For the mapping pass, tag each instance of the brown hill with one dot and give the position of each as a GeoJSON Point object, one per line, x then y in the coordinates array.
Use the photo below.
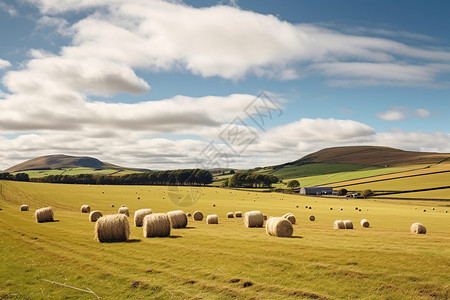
{"type": "Point", "coordinates": [61, 161]}
{"type": "Point", "coordinates": [372, 156]}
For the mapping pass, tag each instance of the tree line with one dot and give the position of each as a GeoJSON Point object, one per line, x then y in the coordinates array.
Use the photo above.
{"type": "Point", "coordinates": [249, 179]}
{"type": "Point", "coordinates": [14, 177]}
{"type": "Point", "coordinates": [171, 177]}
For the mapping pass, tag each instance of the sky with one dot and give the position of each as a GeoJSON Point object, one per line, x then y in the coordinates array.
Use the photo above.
{"type": "Point", "coordinates": [204, 84]}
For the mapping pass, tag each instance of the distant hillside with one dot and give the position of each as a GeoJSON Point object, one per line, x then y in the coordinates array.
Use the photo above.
{"type": "Point", "coordinates": [61, 161]}
{"type": "Point", "coordinates": [369, 156]}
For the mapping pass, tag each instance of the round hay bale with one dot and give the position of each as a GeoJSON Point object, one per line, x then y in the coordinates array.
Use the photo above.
{"type": "Point", "coordinates": [85, 209]}
{"type": "Point", "coordinates": [230, 215]}
{"type": "Point", "coordinates": [212, 219]}
{"type": "Point", "coordinates": [178, 219]}
{"type": "Point", "coordinates": [418, 228]}
{"type": "Point", "coordinates": [359, 209]}
{"type": "Point", "coordinates": [122, 206]}
{"type": "Point", "coordinates": [331, 208]}
{"type": "Point", "coordinates": [356, 208]}
{"type": "Point", "coordinates": [188, 215]}
{"type": "Point", "coordinates": [124, 210]}
{"type": "Point", "coordinates": [24, 207]}
{"type": "Point", "coordinates": [339, 224]}
{"type": "Point", "coordinates": [95, 215]}
{"type": "Point", "coordinates": [290, 217]}
{"type": "Point", "coordinates": [348, 224]}
{"type": "Point", "coordinates": [265, 217]}
{"type": "Point", "coordinates": [112, 228]}
{"type": "Point", "coordinates": [156, 225]}
{"type": "Point", "coordinates": [446, 211]}
{"type": "Point", "coordinates": [279, 226]}
{"type": "Point", "coordinates": [253, 219]}
{"type": "Point", "coordinates": [112, 205]}
{"type": "Point", "coordinates": [139, 216]}
{"type": "Point", "coordinates": [309, 207]}
{"type": "Point", "coordinates": [198, 216]}
{"type": "Point", "coordinates": [312, 218]}
{"type": "Point", "coordinates": [306, 206]}
{"type": "Point", "coordinates": [342, 208]}
{"type": "Point", "coordinates": [432, 208]}
{"type": "Point", "coordinates": [44, 215]}
{"type": "Point", "coordinates": [365, 223]}
{"type": "Point", "coordinates": [238, 214]}
{"type": "Point", "coordinates": [424, 210]}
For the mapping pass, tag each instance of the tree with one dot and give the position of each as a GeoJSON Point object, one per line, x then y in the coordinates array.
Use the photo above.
{"type": "Point", "coordinates": [342, 192]}
{"type": "Point", "coordinates": [232, 172]}
{"type": "Point", "coordinates": [293, 184]}
{"type": "Point", "coordinates": [366, 193]}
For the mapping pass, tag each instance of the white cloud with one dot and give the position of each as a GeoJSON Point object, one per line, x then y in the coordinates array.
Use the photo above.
{"type": "Point", "coordinates": [4, 64]}
{"type": "Point", "coordinates": [8, 9]}
{"type": "Point", "coordinates": [400, 113]}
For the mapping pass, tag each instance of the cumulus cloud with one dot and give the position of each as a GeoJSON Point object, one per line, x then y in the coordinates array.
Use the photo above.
{"type": "Point", "coordinates": [400, 113]}
{"type": "Point", "coordinates": [4, 64]}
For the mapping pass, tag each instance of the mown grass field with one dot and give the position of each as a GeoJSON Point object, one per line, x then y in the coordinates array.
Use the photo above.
{"type": "Point", "coordinates": [225, 260]}
{"type": "Point", "coordinates": [76, 171]}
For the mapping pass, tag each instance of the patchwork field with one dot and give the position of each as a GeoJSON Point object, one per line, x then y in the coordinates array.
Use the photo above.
{"type": "Point", "coordinates": [225, 260]}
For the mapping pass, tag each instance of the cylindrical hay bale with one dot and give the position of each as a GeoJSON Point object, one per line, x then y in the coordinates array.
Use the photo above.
{"type": "Point", "coordinates": [95, 215]}
{"type": "Point", "coordinates": [24, 207]}
{"type": "Point", "coordinates": [198, 216]}
{"type": "Point", "coordinates": [124, 210]}
{"type": "Point", "coordinates": [365, 223]}
{"type": "Point", "coordinates": [265, 217]}
{"type": "Point", "coordinates": [139, 216]}
{"type": "Point", "coordinates": [177, 218]}
{"type": "Point", "coordinates": [44, 215]}
{"type": "Point", "coordinates": [156, 225]}
{"type": "Point", "coordinates": [312, 218]}
{"type": "Point", "coordinates": [112, 228]}
{"type": "Point", "coordinates": [212, 219]}
{"type": "Point", "coordinates": [85, 209]}
{"type": "Point", "coordinates": [348, 224]}
{"type": "Point", "coordinates": [112, 205]}
{"type": "Point", "coordinates": [238, 214]}
{"type": "Point", "coordinates": [290, 217]}
{"type": "Point", "coordinates": [230, 215]}
{"type": "Point", "coordinates": [188, 215]}
{"type": "Point", "coordinates": [253, 219]}
{"type": "Point", "coordinates": [339, 224]}
{"type": "Point", "coordinates": [279, 226]}
{"type": "Point", "coordinates": [418, 228]}
{"type": "Point", "coordinates": [331, 208]}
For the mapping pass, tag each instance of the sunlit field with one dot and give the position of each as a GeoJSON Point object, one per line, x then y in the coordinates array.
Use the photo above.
{"type": "Point", "coordinates": [226, 260]}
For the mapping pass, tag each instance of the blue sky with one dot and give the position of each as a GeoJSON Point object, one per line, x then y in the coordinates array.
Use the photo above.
{"type": "Point", "coordinates": [155, 84]}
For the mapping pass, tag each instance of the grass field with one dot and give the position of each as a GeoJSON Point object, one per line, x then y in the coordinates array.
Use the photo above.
{"type": "Point", "coordinates": [76, 171]}
{"type": "Point", "coordinates": [225, 260]}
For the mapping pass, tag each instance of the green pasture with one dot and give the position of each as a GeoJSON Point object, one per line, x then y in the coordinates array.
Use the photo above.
{"type": "Point", "coordinates": [221, 261]}
{"type": "Point", "coordinates": [76, 171]}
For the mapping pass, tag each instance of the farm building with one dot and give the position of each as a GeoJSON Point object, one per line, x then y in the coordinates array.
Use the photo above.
{"type": "Point", "coordinates": [316, 190]}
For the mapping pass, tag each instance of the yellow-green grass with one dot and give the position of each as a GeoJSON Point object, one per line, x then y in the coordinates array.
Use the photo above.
{"type": "Point", "coordinates": [408, 183]}
{"type": "Point", "coordinates": [76, 171]}
{"type": "Point", "coordinates": [216, 261]}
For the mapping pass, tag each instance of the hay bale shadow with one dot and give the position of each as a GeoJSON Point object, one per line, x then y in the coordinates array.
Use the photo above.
{"type": "Point", "coordinates": [133, 241]}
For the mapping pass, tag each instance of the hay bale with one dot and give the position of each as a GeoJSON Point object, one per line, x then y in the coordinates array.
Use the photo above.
{"type": "Point", "coordinates": [365, 223]}
{"type": "Point", "coordinates": [198, 216]}
{"type": "Point", "coordinates": [230, 215]}
{"type": "Point", "coordinates": [432, 208]}
{"type": "Point", "coordinates": [312, 218]}
{"type": "Point", "coordinates": [188, 215]}
{"type": "Point", "coordinates": [279, 226]}
{"type": "Point", "coordinates": [253, 219]}
{"type": "Point", "coordinates": [424, 210]}
{"type": "Point", "coordinates": [124, 210]}
{"type": "Point", "coordinates": [112, 228]}
{"type": "Point", "coordinates": [348, 224]}
{"type": "Point", "coordinates": [178, 219]}
{"type": "Point", "coordinates": [122, 205]}
{"type": "Point", "coordinates": [44, 215]}
{"type": "Point", "coordinates": [212, 219]}
{"type": "Point", "coordinates": [112, 205]}
{"type": "Point", "coordinates": [446, 211]}
{"type": "Point", "coordinates": [139, 216]}
{"type": "Point", "coordinates": [290, 217]}
{"type": "Point", "coordinates": [24, 207]}
{"type": "Point", "coordinates": [309, 207]}
{"type": "Point", "coordinates": [85, 209]}
{"type": "Point", "coordinates": [95, 215]}
{"type": "Point", "coordinates": [331, 208]}
{"type": "Point", "coordinates": [265, 217]}
{"type": "Point", "coordinates": [339, 224]}
{"type": "Point", "coordinates": [238, 214]}
{"type": "Point", "coordinates": [156, 225]}
{"type": "Point", "coordinates": [356, 208]}
{"type": "Point", "coordinates": [418, 228]}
